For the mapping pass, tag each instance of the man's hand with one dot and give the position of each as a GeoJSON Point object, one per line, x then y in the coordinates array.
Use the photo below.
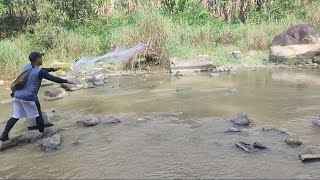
{"type": "Point", "coordinates": [56, 69]}
{"type": "Point", "coordinates": [71, 82]}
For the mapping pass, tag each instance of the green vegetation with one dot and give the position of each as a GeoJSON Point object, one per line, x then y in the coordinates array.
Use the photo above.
{"type": "Point", "coordinates": [68, 30]}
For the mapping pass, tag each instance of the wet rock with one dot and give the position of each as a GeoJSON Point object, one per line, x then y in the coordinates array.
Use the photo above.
{"type": "Point", "coordinates": [316, 121]}
{"type": "Point", "coordinates": [45, 82]}
{"type": "Point", "coordinates": [51, 143]}
{"type": "Point", "coordinates": [75, 143]}
{"type": "Point", "coordinates": [178, 73]}
{"type": "Point", "coordinates": [274, 130]}
{"type": "Point", "coordinates": [97, 79]}
{"type": "Point", "coordinates": [257, 145]}
{"type": "Point", "coordinates": [309, 157]}
{"type": "Point", "coordinates": [55, 94]}
{"type": "Point", "coordinates": [111, 120]}
{"type": "Point", "coordinates": [142, 119]}
{"type": "Point", "coordinates": [241, 119]}
{"type": "Point", "coordinates": [72, 87]}
{"type": "Point", "coordinates": [26, 138]}
{"type": "Point", "coordinates": [244, 146]}
{"type": "Point", "coordinates": [293, 142]}
{"type": "Point", "coordinates": [215, 74]}
{"type": "Point", "coordinates": [232, 130]}
{"type": "Point", "coordinates": [88, 85]}
{"type": "Point", "coordinates": [46, 115]}
{"type": "Point", "coordinates": [90, 120]}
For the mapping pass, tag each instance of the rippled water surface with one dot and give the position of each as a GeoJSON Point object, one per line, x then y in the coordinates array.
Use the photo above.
{"type": "Point", "coordinates": [184, 134]}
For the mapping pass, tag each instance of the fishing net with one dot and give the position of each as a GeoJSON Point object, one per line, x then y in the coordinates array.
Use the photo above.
{"type": "Point", "coordinates": [117, 55]}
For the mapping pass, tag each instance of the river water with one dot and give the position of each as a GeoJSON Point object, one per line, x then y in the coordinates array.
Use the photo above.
{"type": "Point", "coordinates": [183, 136]}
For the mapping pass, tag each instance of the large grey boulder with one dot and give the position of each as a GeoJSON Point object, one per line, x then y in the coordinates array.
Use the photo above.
{"type": "Point", "coordinates": [299, 42]}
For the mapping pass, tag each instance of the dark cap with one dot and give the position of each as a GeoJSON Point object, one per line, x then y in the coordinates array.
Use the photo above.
{"type": "Point", "coordinates": [34, 55]}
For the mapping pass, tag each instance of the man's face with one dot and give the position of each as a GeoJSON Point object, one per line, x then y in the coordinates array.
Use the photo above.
{"type": "Point", "coordinates": [39, 61]}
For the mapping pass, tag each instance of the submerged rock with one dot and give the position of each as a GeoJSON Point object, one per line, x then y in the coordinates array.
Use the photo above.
{"type": "Point", "coordinates": [244, 146]}
{"type": "Point", "coordinates": [241, 119]}
{"type": "Point", "coordinates": [175, 114]}
{"type": "Point", "coordinates": [316, 121]}
{"type": "Point", "coordinates": [90, 120]}
{"type": "Point", "coordinates": [51, 143]}
{"type": "Point", "coordinates": [142, 119]}
{"type": "Point", "coordinates": [75, 143]}
{"type": "Point", "coordinates": [293, 142]}
{"type": "Point", "coordinates": [232, 130]}
{"type": "Point", "coordinates": [274, 130]}
{"type": "Point", "coordinates": [110, 120]}
{"type": "Point", "coordinates": [259, 146]}
{"type": "Point", "coordinates": [55, 94]}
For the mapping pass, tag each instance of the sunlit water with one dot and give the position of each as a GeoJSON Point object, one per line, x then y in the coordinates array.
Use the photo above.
{"type": "Point", "coordinates": [184, 136]}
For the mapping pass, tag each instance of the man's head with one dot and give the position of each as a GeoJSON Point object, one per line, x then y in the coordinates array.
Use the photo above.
{"type": "Point", "coordinates": [36, 58]}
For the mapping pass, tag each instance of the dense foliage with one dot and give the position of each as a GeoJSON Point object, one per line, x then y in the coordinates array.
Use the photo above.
{"type": "Point", "coordinates": [68, 30]}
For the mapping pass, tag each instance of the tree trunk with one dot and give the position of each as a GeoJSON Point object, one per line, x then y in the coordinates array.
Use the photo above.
{"type": "Point", "coordinates": [205, 4]}
{"type": "Point", "coordinates": [131, 7]}
{"type": "Point", "coordinates": [110, 7]}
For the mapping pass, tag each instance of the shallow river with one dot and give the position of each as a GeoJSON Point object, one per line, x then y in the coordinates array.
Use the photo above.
{"type": "Point", "coordinates": [184, 136]}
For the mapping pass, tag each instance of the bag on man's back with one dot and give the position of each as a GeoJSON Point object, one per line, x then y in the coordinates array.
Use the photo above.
{"type": "Point", "coordinates": [20, 82]}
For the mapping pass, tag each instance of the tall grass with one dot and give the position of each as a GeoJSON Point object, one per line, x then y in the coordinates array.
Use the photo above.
{"type": "Point", "coordinates": [13, 54]}
{"type": "Point", "coordinates": [166, 38]}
